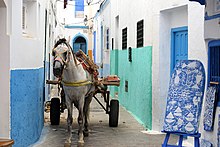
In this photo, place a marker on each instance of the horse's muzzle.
(57, 69)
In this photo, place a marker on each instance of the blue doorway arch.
(80, 42)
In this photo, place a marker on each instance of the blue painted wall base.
(27, 113)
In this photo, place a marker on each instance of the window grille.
(140, 33)
(124, 38)
(107, 39)
(24, 18)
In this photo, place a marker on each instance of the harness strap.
(76, 84)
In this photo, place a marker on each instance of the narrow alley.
(155, 62)
(129, 132)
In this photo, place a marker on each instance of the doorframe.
(80, 35)
(173, 31)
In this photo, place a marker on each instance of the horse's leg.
(86, 113)
(81, 120)
(69, 121)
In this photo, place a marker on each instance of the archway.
(80, 42)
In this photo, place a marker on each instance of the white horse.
(77, 84)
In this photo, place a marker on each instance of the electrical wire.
(82, 5)
(60, 24)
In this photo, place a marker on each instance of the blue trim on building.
(202, 2)
(76, 27)
(102, 7)
(80, 35)
(212, 17)
(79, 5)
(106, 70)
(213, 43)
(27, 106)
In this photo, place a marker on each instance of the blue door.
(214, 66)
(76, 47)
(179, 45)
(80, 43)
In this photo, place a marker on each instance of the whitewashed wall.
(159, 17)
(171, 15)
(103, 18)
(211, 32)
(130, 12)
(5, 68)
(30, 56)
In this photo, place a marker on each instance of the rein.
(77, 83)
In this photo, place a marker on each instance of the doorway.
(80, 43)
(179, 45)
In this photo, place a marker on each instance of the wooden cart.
(56, 106)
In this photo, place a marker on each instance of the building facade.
(212, 44)
(141, 44)
(25, 24)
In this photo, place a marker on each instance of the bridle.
(59, 57)
(64, 62)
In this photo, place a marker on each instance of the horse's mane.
(60, 41)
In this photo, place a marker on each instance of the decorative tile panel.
(209, 108)
(185, 95)
(205, 143)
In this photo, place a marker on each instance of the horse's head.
(61, 53)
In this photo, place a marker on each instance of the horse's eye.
(65, 53)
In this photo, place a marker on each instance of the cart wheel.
(114, 112)
(55, 111)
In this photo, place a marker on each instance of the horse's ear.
(53, 52)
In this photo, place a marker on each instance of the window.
(112, 43)
(29, 22)
(24, 11)
(124, 38)
(214, 65)
(140, 33)
(107, 38)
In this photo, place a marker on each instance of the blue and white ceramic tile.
(185, 96)
(205, 143)
(209, 108)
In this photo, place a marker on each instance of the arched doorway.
(80, 43)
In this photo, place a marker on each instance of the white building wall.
(22, 61)
(26, 47)
(211, 32)
(130, 13)
(5, 76)
(159, 17)
(172, 15)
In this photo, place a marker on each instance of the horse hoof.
(80, 143)
(86, 133)
(67, 145)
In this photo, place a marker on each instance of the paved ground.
(129, 132)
